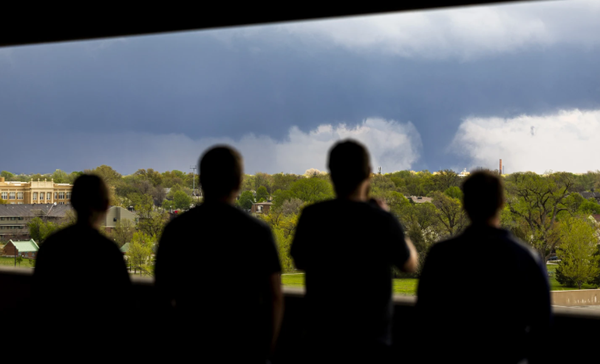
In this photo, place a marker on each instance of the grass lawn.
(408, 286)
(401, 286)
(555, 286)
(293, 280)
(405, 286)
(25, 263)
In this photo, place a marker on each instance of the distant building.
(464, 173)
(125, 248)
(26, 249)
(14, 218)
(117, 214)
(588, 195)
(420, 199)
(35, 192)
(261, 207)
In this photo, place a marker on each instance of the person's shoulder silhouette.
(80, 281)
(218, 271)
(506, 295)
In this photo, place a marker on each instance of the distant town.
(539, 209)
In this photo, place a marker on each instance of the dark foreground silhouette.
(483, 291)
(80, 283)
(218, 274)
(347, 247)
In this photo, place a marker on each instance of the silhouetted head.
(348, 165)
(483, 196)
(221, 170)
(89, 196)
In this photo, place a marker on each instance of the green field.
(555, 286)
(401, 286)
(408, 286)
(25, 263)
(405, 286)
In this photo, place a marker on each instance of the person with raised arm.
(347, 247)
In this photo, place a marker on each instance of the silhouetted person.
(483, 296)
(218, 271)
(81, 287)
(347, 247)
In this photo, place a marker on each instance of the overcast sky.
(456, 88)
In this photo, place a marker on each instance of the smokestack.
(500, 169)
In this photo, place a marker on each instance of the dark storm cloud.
(204, 86)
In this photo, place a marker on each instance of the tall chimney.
(500, 169)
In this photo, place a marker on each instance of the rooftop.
(31, 210)
(25, 246)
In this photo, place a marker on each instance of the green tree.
(284, 244)
(589, 207)
(454, 192)
(572, 203)
(173, 178)
(449, 213)
(248, 183)
(578, 253)
(7, 175)
(40, 230)
(150, 175)
(153, 223)
(291, 206)
(60, 176)
(110, 176)
(398, 204)
(123, 232)
(246, 200)
(181, 200)
(280, 196)
(381, 187)
(263, 179)
(168, 205)
(283, 181)
(445, 179)
(586, 181)
(3, 202)
(423, 227)
(261, 193)
(535, 203)
(140, 252)
(311, 190)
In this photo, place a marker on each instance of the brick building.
(26, 249)
(261, 207)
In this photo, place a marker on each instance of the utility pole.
(193, 168)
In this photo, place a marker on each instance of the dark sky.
(158, 101)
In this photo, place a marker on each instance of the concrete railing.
(584, 297)
(576, 331)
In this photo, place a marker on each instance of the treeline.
(544, 211)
